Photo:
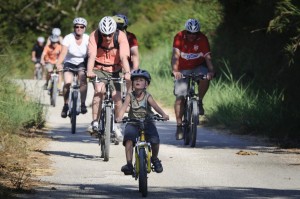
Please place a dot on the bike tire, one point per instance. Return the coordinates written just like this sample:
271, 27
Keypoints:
143, 180
194, 122
107, 132
54, 91
39, 73
74, 112
186, 126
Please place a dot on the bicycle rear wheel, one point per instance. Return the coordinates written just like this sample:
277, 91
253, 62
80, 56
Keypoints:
74, 112
143, 181
107, 132
194, 122
54, 91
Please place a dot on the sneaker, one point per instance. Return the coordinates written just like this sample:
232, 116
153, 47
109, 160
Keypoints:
118, 132
83, 108
93, 128
158, 168
179, 132
201, 109
64, 112
127, 169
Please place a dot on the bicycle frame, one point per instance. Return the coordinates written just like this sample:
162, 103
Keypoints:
142, 153
191, 112
74, 99
107, 117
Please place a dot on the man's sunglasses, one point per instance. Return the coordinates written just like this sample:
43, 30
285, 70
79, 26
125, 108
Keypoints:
81, 27
191, 33
105, 35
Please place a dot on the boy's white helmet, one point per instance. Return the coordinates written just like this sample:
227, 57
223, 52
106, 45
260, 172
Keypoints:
107, 25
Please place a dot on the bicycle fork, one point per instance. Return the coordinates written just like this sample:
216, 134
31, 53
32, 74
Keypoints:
147, 147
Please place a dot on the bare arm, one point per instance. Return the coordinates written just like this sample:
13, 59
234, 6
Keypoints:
175, 63
134, 51
157, 108
123, 108
43, 57
33, 56
61, 57
210, 66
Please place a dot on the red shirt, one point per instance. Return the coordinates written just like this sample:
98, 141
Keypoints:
191, 53
132, 40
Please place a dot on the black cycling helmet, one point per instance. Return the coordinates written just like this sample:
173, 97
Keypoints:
141, 73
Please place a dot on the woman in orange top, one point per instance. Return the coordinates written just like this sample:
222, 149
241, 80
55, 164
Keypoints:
50, 55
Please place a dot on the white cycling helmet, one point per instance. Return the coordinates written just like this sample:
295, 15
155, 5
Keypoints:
56, 31
192, 25
107, 25
54, 38
123, 17
80, 20
41, 39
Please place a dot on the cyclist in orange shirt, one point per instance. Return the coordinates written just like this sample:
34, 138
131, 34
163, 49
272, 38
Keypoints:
50, 55
107, 59
191, 54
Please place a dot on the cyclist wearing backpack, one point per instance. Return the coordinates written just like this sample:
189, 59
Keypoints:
191, 54
122, 24
74, 52
107, 58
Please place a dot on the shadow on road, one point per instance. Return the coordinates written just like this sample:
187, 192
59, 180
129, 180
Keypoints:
113, 191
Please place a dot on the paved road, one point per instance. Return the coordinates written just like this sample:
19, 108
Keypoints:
212, 169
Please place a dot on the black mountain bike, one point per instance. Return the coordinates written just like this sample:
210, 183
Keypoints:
74, 98
191, 111
142, 153
106, 129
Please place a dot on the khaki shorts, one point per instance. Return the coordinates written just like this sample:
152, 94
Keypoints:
181, 85
49, 67
115, 86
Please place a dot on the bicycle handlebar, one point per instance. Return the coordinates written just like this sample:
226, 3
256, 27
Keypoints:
134, 120
114, 79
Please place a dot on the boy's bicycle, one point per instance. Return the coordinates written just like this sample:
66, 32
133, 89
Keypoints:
74, 98
106, 129
142, 153
52, 86
191, 110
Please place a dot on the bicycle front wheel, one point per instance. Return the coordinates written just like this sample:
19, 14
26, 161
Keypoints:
194, 122
143, 181
54, 91
74, 112
107, 132
186, 126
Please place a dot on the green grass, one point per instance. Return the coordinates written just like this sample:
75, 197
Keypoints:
18, 113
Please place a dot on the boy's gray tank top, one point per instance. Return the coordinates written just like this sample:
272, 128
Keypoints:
140, 109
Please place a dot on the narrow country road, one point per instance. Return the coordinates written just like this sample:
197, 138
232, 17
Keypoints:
212, 169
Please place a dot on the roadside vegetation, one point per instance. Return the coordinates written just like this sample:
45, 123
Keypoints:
19, 117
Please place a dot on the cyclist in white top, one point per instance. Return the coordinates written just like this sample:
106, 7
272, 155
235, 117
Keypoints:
74, 52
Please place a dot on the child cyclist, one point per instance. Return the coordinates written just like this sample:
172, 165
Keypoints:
140, 102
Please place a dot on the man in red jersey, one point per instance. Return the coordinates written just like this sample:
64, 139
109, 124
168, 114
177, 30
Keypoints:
191, 54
